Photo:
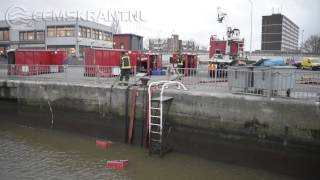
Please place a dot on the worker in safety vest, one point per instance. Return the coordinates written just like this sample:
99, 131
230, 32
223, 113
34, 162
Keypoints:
125, 67
180, 63
212, 68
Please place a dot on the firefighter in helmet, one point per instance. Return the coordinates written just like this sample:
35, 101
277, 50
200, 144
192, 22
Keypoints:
125, 67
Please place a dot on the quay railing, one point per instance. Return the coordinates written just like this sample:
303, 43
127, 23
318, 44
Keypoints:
268, 82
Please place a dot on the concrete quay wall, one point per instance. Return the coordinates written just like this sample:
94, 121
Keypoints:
229, 115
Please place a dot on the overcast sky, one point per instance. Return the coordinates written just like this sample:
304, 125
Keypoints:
191, 19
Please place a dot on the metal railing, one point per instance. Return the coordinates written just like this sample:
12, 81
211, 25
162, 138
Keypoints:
265, 81
268, 82
62, 73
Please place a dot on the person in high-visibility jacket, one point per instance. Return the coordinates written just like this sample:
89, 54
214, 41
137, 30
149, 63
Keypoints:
125, 67
212, 68
180, 64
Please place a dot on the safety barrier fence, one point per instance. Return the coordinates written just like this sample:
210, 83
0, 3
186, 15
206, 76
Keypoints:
262, 81
63, 73
268, 82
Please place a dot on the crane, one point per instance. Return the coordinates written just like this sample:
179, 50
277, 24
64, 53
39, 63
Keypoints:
223, 18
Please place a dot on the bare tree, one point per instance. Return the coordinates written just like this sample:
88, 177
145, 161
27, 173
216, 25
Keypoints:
115, 25
312, 44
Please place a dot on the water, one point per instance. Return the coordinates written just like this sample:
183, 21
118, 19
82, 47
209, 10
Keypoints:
32, 153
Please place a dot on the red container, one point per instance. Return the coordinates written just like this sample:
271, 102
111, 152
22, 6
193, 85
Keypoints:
149, 62
190, 60
108, 59
117, 164
103, 144
31, 62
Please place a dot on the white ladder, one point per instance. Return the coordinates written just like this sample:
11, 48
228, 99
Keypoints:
155, 115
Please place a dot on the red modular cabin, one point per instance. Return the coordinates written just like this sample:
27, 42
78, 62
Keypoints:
31, 62
150, 62
190, 60
106, 62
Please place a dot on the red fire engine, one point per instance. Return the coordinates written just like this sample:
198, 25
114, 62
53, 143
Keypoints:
229, 49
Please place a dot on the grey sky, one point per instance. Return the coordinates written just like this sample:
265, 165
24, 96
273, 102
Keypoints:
191, 19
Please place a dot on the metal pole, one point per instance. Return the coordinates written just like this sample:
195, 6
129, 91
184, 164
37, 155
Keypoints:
251, 27
301, 46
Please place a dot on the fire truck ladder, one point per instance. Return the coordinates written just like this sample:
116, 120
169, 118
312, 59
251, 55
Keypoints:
158, 131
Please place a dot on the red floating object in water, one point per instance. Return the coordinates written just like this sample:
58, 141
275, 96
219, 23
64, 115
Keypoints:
117, 164
103, 144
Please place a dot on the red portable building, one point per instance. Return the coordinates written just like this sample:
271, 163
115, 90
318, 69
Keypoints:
190, 60
30, 62
150, 62
106, 62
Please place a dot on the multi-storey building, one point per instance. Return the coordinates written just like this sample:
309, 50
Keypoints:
279, 34
72, 35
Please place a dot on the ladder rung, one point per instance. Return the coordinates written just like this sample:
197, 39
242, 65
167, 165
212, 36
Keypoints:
157, 140
155, 116
153, 124
155, 132
155, 108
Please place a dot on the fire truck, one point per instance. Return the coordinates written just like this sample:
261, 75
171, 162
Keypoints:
226, 50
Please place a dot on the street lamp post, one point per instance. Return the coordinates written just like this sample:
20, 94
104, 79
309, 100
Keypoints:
251, 27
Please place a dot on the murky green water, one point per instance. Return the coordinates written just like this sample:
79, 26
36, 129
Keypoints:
31, 153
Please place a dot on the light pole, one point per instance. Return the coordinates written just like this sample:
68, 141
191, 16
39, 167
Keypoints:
301, 41
251, 27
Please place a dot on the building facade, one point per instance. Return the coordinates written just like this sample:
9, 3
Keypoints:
130, 42
71, 35
172, 44
158, 45
279, 34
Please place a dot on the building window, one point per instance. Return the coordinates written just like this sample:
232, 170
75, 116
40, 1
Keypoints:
83, 32
4, 35
88, 33
61, 31
69, 31
31, 36
52, 32
106, 36
95, 34
39, 35
100, 35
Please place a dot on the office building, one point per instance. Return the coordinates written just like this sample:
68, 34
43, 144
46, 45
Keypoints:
279, 33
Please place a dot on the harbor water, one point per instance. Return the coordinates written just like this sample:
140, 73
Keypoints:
36, 153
